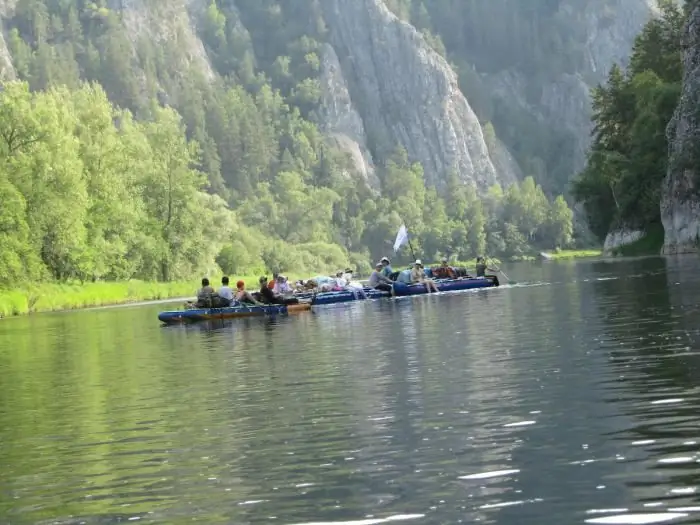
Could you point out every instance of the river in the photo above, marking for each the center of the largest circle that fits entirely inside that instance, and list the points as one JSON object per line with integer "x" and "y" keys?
{"x": 571, "y": 397}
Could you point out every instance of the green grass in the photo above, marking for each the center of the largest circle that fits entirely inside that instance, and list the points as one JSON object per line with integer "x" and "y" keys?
{"x": 51, "y": 297}
{"x": 650, "y": 244}
{"x": 574, "y": 254}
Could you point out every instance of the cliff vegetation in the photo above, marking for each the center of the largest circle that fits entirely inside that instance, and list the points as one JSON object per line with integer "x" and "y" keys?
{"x": 621, "y": 185}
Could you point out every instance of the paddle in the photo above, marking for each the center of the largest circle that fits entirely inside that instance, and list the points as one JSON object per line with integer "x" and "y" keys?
{"x": 502, "y": 273}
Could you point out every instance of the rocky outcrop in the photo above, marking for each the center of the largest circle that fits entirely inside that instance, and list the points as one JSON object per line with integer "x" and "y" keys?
{"x": 680, "y": 204}
{"x": 7, "y": 70}
{"x": 406, "y": 93}
{"x": 619, "y": 238}
{"x": 339, "y": 120}
{"x": 145, "y": 19}
{"x": 506, "y": 166}
{"x": 608, "y": 29}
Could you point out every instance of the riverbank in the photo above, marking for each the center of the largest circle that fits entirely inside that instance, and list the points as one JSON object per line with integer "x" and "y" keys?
{"x": 51, "y": 297}
{"x": 54, "y": 297}
{"x": 574, "y": 254}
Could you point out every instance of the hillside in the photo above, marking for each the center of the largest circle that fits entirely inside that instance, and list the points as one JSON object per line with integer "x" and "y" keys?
{"x": 322, "y": 125}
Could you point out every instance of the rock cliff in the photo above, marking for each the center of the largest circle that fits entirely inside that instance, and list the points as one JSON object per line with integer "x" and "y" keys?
{"x": 339, "y": 119}
{"x": 606, "y": 31}
{"x": 680, "y": 205}
{"x": 407, "y": 94}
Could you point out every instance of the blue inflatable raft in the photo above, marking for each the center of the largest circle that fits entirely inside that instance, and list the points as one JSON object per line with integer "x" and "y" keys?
{"x": 206, "y": 314}
{"x": 400, "y": 290}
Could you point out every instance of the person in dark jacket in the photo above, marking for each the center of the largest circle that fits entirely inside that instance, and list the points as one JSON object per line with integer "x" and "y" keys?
{"x": 268, "y": 296}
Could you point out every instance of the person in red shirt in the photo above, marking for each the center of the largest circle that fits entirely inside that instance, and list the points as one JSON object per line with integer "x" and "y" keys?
{"x": 271, "y": 284}
{"x": 444, "y": 271}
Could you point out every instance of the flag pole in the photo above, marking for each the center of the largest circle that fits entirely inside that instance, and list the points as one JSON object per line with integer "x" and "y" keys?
{"x": 411, "y": 248}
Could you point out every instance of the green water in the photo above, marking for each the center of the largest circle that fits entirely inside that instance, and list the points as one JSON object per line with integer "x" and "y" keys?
{"x": 572, "y": 396}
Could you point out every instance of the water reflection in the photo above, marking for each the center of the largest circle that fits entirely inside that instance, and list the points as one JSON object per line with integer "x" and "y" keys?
{"x": 571, "y": 396}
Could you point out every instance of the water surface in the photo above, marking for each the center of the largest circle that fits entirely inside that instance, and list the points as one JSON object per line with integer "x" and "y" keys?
{"x": 571, "y": 398}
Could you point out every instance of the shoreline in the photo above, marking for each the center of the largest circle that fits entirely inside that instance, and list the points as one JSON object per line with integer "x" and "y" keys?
{"x": 55, "y": 297}
{"x": 66, "y": 297}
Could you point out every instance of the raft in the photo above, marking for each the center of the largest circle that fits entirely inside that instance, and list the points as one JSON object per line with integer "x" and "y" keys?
{"x": 346, "y": 296}
{"x": 400, "y": 290}
{"x": 447, "y": 285}
{"x": 205, "y": 314}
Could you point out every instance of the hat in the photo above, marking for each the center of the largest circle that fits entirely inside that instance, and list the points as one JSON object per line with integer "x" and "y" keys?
{"x": 348, "y": 270}
{"x": 418, "y": 262}
{"x": 384, "y": 259}
{"x": 378, "y": 265}
{"x": 240, "y": 284}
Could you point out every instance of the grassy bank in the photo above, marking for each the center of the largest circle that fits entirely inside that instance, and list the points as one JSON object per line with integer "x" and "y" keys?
{"x": 574, "y": 254}
{"x": 48, "y": 297}
{"x": 51, "y": 297}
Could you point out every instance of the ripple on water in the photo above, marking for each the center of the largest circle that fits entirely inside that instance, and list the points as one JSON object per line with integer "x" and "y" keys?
{"x": 501, "y": 406}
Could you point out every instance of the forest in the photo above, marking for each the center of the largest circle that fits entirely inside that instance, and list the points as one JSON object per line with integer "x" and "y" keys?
{"x": 158, "y": 172}
{"x": 620, "y": 188}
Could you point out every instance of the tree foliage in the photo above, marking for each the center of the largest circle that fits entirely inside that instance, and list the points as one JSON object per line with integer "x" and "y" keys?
{"x": 125, "y": 158}
{"x": 621, "y": 184}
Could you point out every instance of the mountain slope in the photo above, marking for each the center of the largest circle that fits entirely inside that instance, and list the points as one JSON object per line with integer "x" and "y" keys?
{"x": 528, "y": 67}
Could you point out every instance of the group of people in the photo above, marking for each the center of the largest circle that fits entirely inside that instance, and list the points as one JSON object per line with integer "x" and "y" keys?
{"x": 383, "y": 277}
{"x": 270, "y": 292}
{"x": 278, "y": 290}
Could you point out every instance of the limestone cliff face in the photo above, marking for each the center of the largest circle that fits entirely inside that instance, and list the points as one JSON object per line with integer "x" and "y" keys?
{"x": 680, "y": 204}
{"x": 7, "y": 70}
{"x": 608, "y": 29}
{"x": 166, "y": 23}
{"x": 339, "y": 119}
{"x": 619, "y": 238}
{"x": 407, "y": 93}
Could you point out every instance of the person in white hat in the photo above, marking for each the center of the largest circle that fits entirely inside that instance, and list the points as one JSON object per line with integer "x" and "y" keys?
{"x": 418, "y": 276}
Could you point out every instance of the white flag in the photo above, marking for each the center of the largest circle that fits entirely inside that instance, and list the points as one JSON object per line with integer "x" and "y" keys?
{"x": 401, "y": 238}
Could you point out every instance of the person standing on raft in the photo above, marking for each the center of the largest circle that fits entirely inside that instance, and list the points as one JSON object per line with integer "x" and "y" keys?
{"x": 482, "y": 268}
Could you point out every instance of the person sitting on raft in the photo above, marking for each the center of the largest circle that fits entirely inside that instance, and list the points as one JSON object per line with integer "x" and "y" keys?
{"x": 340, "y": 282}
{"x": 387, "y": 270}
{"x": 281, "y": 286}
{"x": 482, "y": 268}
{"x": 379, "y": 281}
{"x": 268, "y": 296}
{"x": 273, "y": 282}
{"x": 243, "y": 296}
{"x": 225, "y": 293}
{"x": 444, "y": 271}
{"x": 418, "y": 276}
{"x": 205, "y": 295}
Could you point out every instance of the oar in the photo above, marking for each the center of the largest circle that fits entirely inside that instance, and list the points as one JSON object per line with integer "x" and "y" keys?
{"x": 498, "y": 269}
